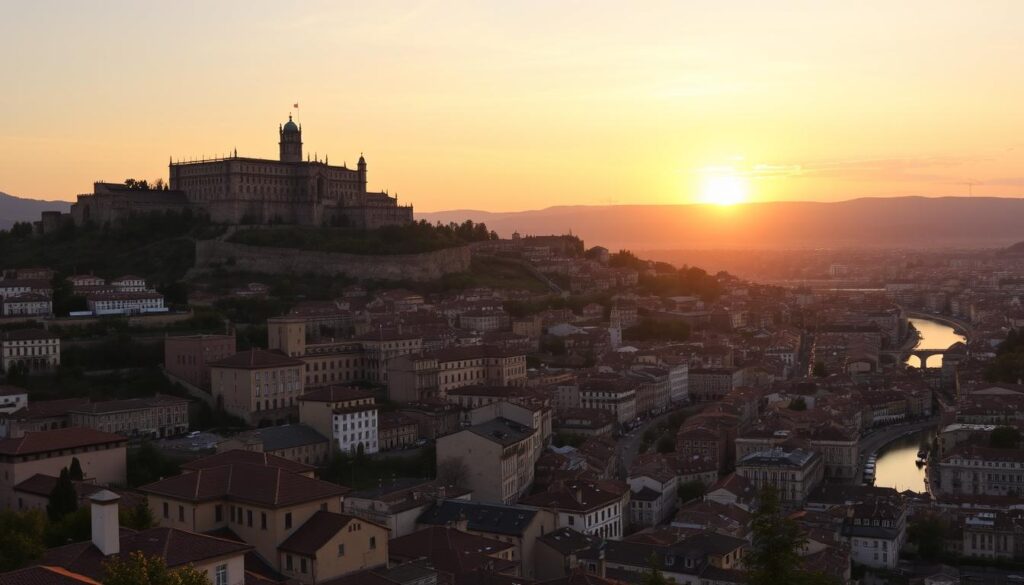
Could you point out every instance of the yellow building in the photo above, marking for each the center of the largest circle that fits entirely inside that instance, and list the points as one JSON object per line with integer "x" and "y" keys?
{"x": 258, "y": 385}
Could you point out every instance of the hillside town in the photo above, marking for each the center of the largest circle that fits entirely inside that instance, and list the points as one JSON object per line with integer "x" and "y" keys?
{"x": 596, "y": 419}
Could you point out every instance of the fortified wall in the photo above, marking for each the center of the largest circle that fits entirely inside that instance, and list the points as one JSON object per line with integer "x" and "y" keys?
{"x": 212, "y": 254}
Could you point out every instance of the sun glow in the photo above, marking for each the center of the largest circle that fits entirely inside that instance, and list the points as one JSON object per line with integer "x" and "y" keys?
{"x": 723, "y": 186}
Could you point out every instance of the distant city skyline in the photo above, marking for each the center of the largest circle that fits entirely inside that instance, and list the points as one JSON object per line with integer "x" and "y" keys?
{"x": 502, "y": 107}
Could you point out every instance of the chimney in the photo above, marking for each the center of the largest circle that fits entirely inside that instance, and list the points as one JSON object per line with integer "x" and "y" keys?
{"x": 105, "y": 528}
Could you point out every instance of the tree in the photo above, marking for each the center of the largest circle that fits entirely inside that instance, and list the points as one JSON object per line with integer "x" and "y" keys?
{"x": 139, "y": 569}
{"x": 21, "y": 538}
{"x": 928, "y": 532}
{"x": 138, "y": 517}
{"x": 798, "y": 403}
{"x": 691, "y": 490}
{"x": 653, "y": 575}
{"x": 819, "y": 370}
{"x": 75, "y": 471}
{"x": 774, "y": 555}
{"x": 63, "y": 498}
{"x": 1004, "y": 438}
{"x": 666, "y": 445}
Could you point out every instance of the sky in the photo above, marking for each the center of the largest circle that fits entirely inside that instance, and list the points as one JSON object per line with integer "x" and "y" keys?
{"x": 503, "y": 106}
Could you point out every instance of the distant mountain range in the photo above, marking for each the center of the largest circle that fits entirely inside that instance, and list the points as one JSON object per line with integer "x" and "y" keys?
{"x": 894, "y": 222}
{"x": 14, "y": 209}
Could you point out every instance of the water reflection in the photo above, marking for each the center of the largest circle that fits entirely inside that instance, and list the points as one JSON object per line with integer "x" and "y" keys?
{"x": 934, "y": 335}
{"x": 896, "y": 467}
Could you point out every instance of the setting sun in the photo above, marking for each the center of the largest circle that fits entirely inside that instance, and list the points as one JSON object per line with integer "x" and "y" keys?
{"x": 724, "y": 188}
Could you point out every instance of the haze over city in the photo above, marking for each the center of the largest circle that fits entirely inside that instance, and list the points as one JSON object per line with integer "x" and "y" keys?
{"x": 511, "y": 293}
{"x": 512, "y": 106}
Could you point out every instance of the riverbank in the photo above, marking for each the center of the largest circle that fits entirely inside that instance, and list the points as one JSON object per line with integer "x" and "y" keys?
{"x": 882, "y": 438}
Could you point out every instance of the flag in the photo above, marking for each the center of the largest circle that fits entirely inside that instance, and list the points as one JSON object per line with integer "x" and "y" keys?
{"x": 296, "y": 106}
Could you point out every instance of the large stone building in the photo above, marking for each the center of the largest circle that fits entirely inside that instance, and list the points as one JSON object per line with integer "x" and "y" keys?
{"x": 243, "y": 190}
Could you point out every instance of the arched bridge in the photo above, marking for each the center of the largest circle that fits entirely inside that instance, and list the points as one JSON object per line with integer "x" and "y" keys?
{"x": 924, "y": 354}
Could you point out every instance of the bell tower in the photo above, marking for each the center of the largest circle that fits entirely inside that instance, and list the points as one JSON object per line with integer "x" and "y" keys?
{"x": 291, "y": 141}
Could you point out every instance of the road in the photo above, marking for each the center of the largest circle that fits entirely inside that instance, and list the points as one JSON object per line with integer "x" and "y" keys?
{"x": 629, "y": 445}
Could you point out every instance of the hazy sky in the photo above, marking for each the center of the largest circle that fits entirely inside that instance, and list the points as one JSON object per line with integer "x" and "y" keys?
{"x": 511, "y": 105}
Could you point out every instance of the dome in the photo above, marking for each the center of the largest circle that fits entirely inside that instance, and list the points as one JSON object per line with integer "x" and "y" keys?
{"x": 290, "y": 126}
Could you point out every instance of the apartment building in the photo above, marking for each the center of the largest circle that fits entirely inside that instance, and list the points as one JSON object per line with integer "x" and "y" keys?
{"x": 230, "y": 491}
{"x": 258, "y": 386}
{"x": 793, "y": 473}
{"x": 101, "y": 455}
{"x": 189, "y": 356}
{"x": 596, "y": 508}
{"x": 33, "y": 350}
{"x": 496, "y": 458}
{"x": 160, "y": 416}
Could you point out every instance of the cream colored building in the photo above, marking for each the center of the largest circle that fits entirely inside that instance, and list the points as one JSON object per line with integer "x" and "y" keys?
{"x": 793, "y": 473}
{"x": 432, "y": 375}
{"x": 33, "y": 349}
{"x": 498, "y": 458}
{"x": 222, "y": 560}
{"x": 258, "y": 385}
{"x": 330, "y": 545}
{"x": 160, "y": 416}
{"x": 262, "y": 504}
{"x": 101, "y": 455}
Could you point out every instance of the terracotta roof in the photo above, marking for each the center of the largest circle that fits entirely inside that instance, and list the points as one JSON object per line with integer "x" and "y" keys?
{"x": 316, "y": 532}
{"x": 256, "y": 359}
{"x": 447, "y": 549}
{"x": 236, "y": 456}
{"x": 42, "y": 485}
{"x": 69, "y": 438}
{"x": 336, "y": 394}
{"x": 176, "y": 547}
{"x": 269, "y": 487}
{"x": 44, "y": 575}
{"x": 106, "y": 406}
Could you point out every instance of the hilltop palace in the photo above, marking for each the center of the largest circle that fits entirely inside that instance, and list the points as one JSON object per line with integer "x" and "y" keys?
{"x": 241, "y": 190}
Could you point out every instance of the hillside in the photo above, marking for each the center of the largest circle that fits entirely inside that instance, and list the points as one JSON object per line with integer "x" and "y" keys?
{"x": 911, "y": 222}
{"x": 13, "y": 209}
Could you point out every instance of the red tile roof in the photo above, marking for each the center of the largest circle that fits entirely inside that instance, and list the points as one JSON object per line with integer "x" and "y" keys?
{"x": 176, "y": 547}
{"x": 44, "y": 575}
{"x": 44, "y": 441}
{"x": 235, "y": 456}
{"x": 269, "y": 487}
{"x": 317, "y": 532}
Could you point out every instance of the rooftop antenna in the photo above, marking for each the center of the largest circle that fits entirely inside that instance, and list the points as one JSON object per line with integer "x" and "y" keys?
{"x": 970, "y": 187}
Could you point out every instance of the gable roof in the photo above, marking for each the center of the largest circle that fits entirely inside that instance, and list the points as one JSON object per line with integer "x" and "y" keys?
{"x": 176, "y": 547}
{"x": 241, "y": 456}
{"x": 36, "y": 442}
{"x": 317, "y": 532}
{"x": 269, "y": 487}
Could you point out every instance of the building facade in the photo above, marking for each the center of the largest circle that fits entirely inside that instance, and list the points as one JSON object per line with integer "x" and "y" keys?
{"x": 244, "y": 190}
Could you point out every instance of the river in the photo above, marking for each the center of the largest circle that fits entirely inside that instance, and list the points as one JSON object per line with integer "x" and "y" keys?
{"x": 896, "y": 467}
{"x": 934, "y": 335}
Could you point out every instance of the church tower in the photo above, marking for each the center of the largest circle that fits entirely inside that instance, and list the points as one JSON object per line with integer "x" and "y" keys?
{"x": 291, "y": 141}
{"x": 361, "y": 170}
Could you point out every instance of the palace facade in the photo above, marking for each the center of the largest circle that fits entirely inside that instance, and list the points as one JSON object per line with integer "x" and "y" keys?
{"x": 241, "y": 190}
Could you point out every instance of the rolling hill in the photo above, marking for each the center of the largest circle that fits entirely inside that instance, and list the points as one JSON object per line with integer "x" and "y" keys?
{"x": 14, "y": 209}
{"x": 896, "y": 222}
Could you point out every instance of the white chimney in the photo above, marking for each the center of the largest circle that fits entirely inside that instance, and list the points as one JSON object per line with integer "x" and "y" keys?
{"x": 106, "y": 532}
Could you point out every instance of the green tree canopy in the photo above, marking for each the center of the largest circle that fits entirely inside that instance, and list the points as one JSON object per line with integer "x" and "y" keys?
{"x": 1004, "y": 438}
{"x": 63, "y": 499}
{"x": 774, "y": 555}
{"x": 21, "y": 538}
{"x": 75, "y": 470}
{"x": 138, "y": 569}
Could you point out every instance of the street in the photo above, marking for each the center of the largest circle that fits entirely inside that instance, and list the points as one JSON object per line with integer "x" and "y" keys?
{"x": 629, "y": 445}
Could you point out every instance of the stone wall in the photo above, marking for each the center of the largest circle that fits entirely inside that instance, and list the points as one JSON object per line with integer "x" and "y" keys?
{"x": 211, "y": 254}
